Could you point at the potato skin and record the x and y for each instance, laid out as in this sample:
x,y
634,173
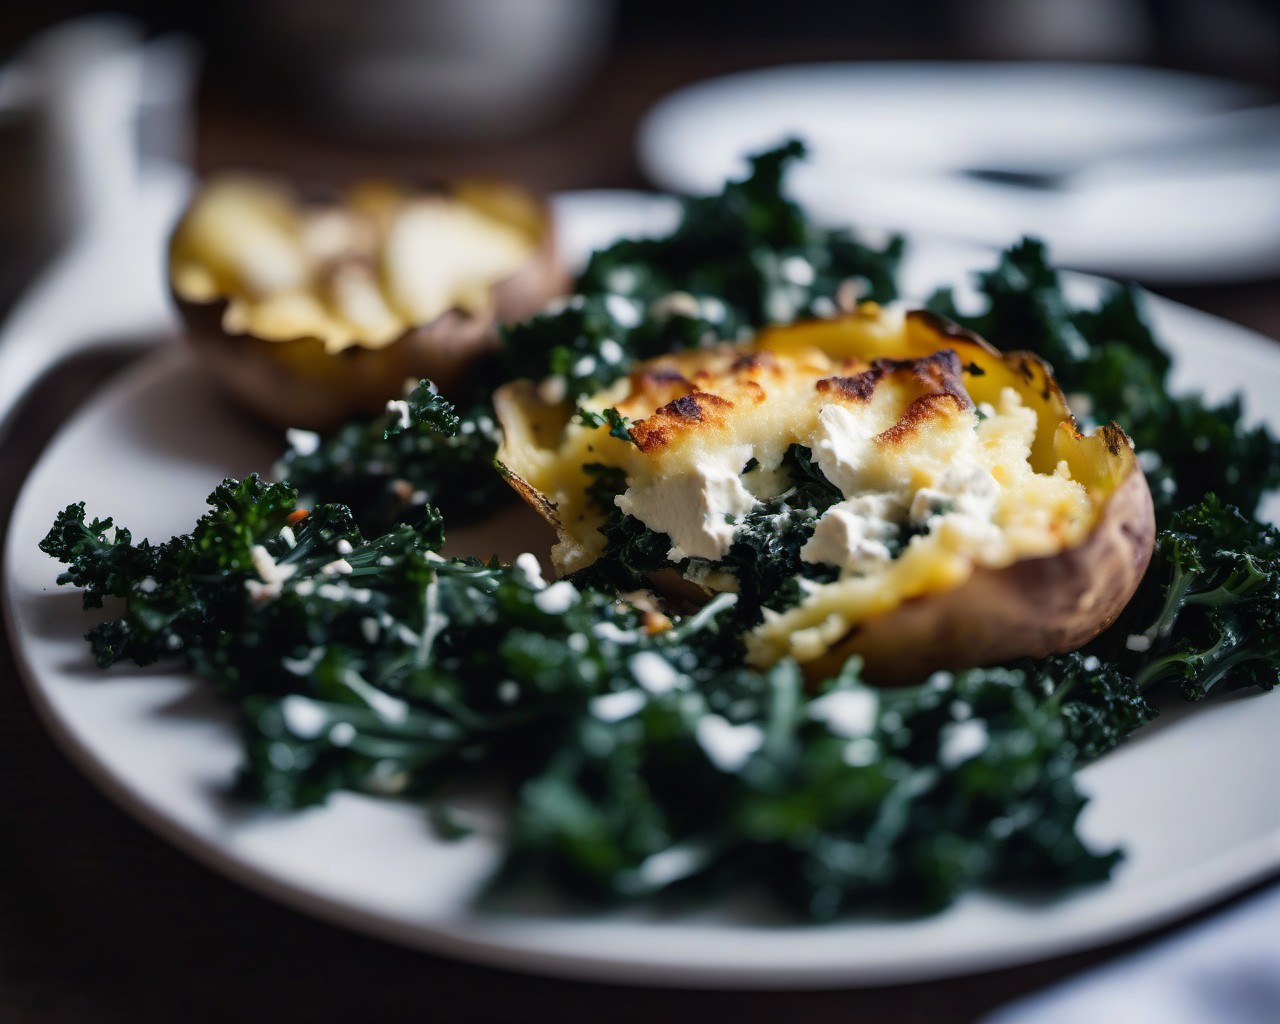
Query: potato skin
x,y
296,383
1034,607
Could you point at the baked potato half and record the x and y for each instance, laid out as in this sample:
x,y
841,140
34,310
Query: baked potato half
x,y
310,309
932,500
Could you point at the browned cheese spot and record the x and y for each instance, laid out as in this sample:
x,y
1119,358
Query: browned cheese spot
x,y
685,412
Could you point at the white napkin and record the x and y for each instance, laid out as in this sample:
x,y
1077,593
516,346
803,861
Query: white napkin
x,y
1223,971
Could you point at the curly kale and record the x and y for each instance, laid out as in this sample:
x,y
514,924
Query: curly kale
x,y
1109,357
390,468
1208,614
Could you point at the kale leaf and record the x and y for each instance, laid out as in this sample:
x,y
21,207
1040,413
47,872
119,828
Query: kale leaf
x,y
1208,613
389,469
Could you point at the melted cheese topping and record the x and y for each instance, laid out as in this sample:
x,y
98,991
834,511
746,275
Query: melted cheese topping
x,y
930,448
360,272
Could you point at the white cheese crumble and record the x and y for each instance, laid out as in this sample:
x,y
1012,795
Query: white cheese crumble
x,y
609,631
343,546
625,311
666,866
842,446
556,599
528,564
302,718
399,408
611,351
1138,642
653,672
614,707
728,746
271,576
303,667
961,741
853,534
698,511
304,442
797,270
847,713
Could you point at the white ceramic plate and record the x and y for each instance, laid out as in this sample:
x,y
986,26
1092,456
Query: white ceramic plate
x,y
1192,798
890,141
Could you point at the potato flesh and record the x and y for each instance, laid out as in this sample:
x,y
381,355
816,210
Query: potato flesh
x,y
360,273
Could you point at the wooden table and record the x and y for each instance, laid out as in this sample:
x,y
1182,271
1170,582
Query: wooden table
x,y
101,921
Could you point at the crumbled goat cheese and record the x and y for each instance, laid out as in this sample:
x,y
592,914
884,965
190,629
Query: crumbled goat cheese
x,y
399,408
614,707
961,741
853,534
556,599
847,713
693,509
653,672
728,746
304,442
1138,642
528,563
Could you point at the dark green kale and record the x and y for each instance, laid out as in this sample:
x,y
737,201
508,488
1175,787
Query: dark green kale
x,y
1109,357
1208,613
185,593
835,797
390,468
765,554
1106,703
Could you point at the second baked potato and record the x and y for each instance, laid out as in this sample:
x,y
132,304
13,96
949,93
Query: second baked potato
x,y
310,310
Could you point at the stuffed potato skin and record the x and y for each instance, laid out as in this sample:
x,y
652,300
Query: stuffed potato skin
x,y
1033,599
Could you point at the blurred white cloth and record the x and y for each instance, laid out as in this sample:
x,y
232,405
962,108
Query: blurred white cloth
x,y
1225,970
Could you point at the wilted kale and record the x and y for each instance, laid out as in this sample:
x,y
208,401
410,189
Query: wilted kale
x,y
183,595
1109,356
